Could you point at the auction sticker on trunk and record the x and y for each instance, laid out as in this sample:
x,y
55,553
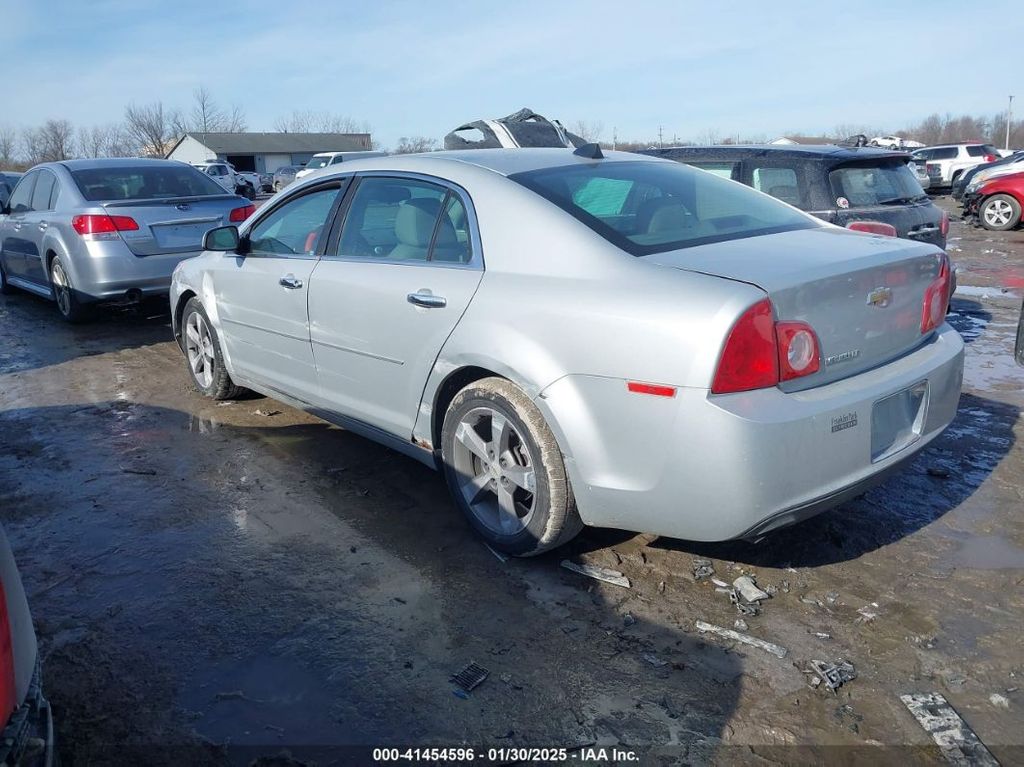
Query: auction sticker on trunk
x,y
845,421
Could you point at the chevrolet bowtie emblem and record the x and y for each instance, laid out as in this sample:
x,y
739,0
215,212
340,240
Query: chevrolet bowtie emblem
x,y
880,297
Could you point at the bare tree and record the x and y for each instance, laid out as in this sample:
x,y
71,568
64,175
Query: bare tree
x,y
310,121
590,131
8,144
104,141
54,140
151,127
207,116
414,144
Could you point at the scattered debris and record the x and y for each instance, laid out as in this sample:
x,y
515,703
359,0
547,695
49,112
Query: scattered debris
x,y
867,614
937,471
497,554
785,586
661,587
958,742
771,590
470,677
654,660
832,597
748,589
702,569
835,675
720,584
506,678
774,649
139,470
743,607
739,624
822,635
846,711
226,403
266,413
613,577
998,700
628,620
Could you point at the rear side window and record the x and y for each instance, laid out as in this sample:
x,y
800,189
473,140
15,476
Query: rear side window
x,y
780,183
337,159
402,220
980,150
724,169
653,207
875,184
943,153
43,190
143,182
21,200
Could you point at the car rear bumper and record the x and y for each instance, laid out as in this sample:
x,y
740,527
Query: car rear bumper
x,y
28,739
108,271
716,467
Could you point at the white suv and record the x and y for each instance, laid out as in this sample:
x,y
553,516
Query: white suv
x,y
946,162
323,159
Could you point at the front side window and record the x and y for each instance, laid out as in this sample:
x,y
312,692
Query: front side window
x,y
652,207
43,190
21,200
295,227
401,219
881,183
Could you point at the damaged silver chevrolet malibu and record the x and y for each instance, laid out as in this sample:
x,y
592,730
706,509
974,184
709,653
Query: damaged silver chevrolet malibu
x,y
576,338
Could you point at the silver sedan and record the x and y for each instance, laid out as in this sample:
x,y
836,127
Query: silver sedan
x,y
577,339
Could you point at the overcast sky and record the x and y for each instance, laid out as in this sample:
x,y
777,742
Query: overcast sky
x,y
421,68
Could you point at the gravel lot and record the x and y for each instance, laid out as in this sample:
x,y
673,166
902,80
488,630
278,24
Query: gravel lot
x,y
212,584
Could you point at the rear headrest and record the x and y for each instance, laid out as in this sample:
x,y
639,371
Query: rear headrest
x,y
414,224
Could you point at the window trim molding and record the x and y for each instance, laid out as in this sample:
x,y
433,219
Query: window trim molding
x,y
339,184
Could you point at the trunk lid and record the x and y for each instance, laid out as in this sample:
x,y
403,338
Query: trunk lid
x,y
862,294
173,225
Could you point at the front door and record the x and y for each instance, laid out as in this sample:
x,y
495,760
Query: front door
x,y
387,294
261,296
14,228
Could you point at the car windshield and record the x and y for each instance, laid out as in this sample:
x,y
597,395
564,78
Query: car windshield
x,y
318,162
143,182
885,183
653,207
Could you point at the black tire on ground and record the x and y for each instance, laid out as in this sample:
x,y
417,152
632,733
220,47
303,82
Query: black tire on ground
x,y
5,286
70,308
555,519
999,213
220,385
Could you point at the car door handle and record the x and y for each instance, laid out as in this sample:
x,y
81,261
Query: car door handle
x,y
290,281
428,300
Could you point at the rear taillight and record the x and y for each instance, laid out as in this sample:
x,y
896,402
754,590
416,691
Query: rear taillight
x,y
761,352
750,359
799,354
936,299
990,158
872,227
944,224
8,701
240,214
103,224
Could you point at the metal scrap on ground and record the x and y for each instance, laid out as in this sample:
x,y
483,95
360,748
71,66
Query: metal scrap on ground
x,y
702,568
774,649
748,589
599,573
834,675
470,677
958,742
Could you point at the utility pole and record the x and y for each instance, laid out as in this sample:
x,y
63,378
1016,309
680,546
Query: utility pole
x,y
1009,119
661,142
615,138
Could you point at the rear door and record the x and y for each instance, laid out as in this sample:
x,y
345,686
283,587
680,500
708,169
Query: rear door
x,y
261,296
13,232
36,223
387,294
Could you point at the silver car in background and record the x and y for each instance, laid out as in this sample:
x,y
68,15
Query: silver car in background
x,y
576,338
84,231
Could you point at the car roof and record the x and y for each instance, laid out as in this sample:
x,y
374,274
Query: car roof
x,y
787,151
112,162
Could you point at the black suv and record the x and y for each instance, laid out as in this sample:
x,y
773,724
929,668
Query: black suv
x,y
855,187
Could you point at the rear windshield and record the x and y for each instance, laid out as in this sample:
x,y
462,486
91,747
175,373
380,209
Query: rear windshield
x,y
143,182
653,207
888,183
318,162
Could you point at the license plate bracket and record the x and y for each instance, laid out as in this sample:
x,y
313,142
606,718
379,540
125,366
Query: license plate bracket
x,y
898,420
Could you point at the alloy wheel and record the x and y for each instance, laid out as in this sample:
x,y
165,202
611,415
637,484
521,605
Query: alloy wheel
x,y
496,471
998,213
199,349
61,288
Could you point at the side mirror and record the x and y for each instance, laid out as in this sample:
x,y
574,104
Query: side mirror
x,y
223,238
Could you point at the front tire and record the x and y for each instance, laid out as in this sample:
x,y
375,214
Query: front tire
x,y
70,308
204,356
505,470
999,213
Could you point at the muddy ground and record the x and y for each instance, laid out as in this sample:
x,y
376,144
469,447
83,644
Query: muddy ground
x,y
212,585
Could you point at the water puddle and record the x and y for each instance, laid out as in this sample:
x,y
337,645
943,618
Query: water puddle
x,y
988,552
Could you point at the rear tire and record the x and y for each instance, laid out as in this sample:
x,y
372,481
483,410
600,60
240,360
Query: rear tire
x,y
203,354
999,213
505,470
71,309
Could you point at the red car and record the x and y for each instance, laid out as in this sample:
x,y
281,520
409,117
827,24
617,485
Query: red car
x,y
26,725
996,204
